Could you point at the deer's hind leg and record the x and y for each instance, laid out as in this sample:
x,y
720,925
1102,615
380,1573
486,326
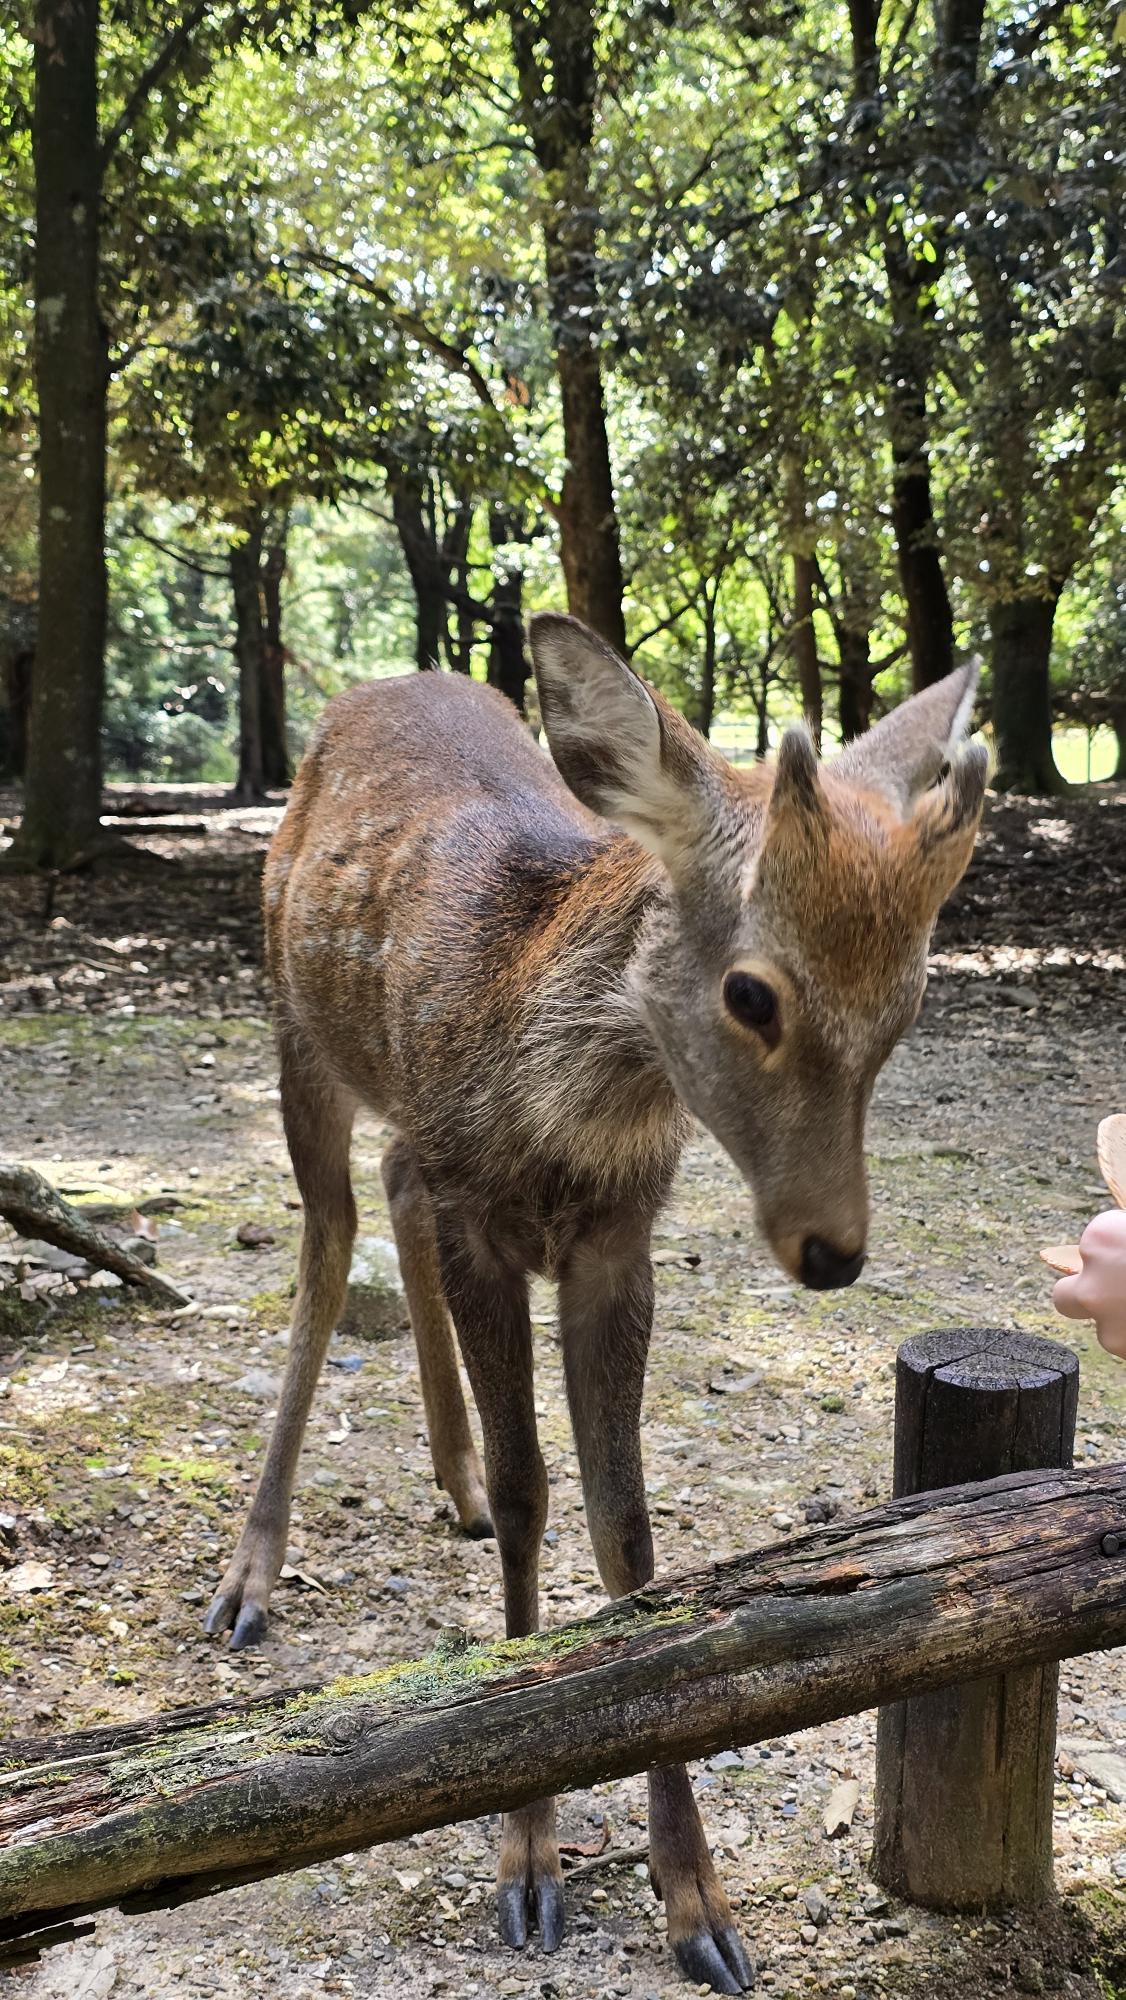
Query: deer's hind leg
x,y
457,1467
318,1117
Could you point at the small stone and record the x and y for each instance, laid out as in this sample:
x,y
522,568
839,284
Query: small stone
x,y
783,1523
375,1308
817,1905
259,1383
874,1905
725,1760
1028,1974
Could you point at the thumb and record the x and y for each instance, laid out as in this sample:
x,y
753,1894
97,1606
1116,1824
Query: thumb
x,y
1066,1297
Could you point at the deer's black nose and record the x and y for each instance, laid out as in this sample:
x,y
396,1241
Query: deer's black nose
x,y
824,1267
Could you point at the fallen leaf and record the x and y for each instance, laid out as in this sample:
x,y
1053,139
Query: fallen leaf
x,y
289,1573
142,1225
343,1428
588,1847
25,1577
841,1809
734,1385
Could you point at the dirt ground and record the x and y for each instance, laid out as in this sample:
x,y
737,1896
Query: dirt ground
x,y
136,1063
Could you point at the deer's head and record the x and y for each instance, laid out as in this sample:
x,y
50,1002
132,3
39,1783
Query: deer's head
x,y
789,953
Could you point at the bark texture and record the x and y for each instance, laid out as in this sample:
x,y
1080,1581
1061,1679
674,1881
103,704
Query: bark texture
x,y
29,1203
804,641
964,1779
250,648
1021,647
557,102
61,826
276,767
913,1596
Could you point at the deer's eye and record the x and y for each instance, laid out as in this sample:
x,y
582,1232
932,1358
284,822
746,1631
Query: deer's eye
x,y
754,1005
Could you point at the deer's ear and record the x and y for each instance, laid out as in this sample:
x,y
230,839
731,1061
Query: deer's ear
x,y
945,819
622,750
904,754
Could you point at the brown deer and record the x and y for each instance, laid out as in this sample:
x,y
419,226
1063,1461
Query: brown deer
x,y
534,974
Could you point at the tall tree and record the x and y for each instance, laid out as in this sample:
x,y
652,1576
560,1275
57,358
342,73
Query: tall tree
x,y
555,51
63,791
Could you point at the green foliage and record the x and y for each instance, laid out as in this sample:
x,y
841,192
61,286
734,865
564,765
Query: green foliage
x,y
323,273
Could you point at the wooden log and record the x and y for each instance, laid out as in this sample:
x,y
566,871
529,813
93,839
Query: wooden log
x,y
912,1596
964,1778
33,1208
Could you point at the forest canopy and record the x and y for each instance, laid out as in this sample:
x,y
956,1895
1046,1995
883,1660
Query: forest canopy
x,y
784,347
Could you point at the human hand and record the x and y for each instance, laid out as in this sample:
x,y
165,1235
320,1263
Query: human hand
x,y
1098,1289
1094,1284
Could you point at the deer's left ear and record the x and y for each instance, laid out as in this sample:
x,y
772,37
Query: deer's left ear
x,y
622,750
904,754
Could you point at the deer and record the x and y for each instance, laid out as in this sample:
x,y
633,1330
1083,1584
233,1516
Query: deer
x,y
537,972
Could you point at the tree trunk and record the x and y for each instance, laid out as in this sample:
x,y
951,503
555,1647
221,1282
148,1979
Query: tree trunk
x,y
558,111
803,641
61,826
276,768
930,621
18,676
762,718
705,706
921,1594
930,624
250,649
588,520
455,563
1021,634
421,556
855,671
509,665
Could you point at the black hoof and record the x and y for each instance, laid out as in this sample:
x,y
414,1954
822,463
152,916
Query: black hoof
x,y
546,1898
719,1962
550,1912
480,1529
512,1914
250,1627
221,1613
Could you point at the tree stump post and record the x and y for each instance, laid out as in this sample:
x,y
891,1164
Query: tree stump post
x,y
964,1779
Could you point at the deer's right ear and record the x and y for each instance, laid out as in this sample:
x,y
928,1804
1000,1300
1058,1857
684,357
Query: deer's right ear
x,y
620,748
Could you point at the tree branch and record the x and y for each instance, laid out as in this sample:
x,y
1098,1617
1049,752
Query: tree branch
x,y
166,56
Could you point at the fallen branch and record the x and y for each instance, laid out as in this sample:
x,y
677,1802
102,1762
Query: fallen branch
x,y
913,1596
33,1208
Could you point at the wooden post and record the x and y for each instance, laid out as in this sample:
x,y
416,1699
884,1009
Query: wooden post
x,y
964,1778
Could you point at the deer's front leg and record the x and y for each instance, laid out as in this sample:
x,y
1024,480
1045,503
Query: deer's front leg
x,y
606,1315
489,1305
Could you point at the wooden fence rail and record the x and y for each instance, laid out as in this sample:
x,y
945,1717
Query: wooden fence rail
x,y
916,1595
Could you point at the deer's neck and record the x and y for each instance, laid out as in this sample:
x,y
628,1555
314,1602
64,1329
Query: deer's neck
x,y
597,1090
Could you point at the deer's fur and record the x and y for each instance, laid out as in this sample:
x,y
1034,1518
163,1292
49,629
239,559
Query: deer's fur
x,y
522,969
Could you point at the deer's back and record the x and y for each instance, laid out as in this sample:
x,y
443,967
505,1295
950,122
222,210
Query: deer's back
x,y
427,846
